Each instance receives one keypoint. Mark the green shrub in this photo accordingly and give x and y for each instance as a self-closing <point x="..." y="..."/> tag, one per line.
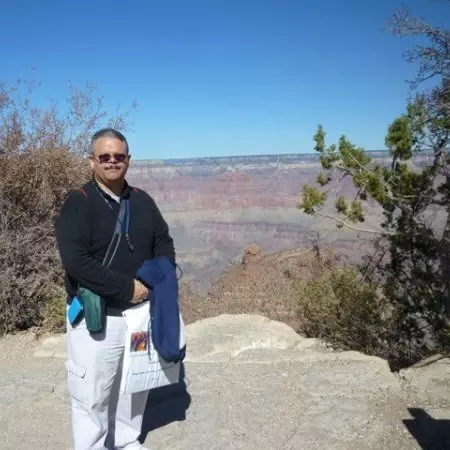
<point x="340" y="308"/>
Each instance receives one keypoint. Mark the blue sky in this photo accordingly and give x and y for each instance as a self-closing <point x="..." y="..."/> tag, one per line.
<point x="221" y="77"/>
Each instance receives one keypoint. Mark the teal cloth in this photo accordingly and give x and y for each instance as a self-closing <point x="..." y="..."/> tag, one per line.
<point x="93" y="308"/>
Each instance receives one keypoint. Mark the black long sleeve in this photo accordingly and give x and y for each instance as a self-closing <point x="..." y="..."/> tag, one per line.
<point x="73" y="233"/>
<point x="163" y="242"/>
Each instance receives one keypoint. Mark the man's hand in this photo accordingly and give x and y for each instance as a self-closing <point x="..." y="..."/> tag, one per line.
<point x="140" y="292"/>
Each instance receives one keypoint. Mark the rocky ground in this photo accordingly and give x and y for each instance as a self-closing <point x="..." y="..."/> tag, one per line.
<point x="251" y="383"/>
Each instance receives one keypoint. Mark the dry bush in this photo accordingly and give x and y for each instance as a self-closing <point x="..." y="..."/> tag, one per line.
<point x="54" y="313"/>
<point x="32" y="187"/>
<point x="41" y="159"/>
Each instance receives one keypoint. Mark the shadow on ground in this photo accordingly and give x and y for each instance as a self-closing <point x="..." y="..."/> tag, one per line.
<point x="431" y="434"/>
<point x="166" y="405"/>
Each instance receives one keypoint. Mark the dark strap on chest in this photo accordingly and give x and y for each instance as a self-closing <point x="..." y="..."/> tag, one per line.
<point x="117" y="234"/>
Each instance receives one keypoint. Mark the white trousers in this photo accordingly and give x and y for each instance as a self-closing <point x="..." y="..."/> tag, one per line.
<point x="101" y="418"/>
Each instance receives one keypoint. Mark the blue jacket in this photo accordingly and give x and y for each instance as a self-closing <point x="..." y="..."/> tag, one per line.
<point x="159" y="274"/>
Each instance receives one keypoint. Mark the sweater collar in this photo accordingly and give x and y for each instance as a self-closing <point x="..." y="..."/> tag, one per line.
<point x="124" y="195"/>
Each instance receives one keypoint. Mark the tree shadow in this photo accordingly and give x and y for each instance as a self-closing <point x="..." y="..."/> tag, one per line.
<point x="166" y="405"/>
<point x="430" y="434"/>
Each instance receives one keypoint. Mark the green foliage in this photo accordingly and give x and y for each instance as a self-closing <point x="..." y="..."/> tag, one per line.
<point x="399" y="139"/>
<point x="341" y="205"/>
<point x="356" y="212"/>
<point x="352" y="157"/>
<point x="328" y="156"/>
<point x="339" y="307"/>
<point x="312" y="199"/>
<point x="323" y="179"/>
<point x="319" y="138"/>
<point x="351" y="161"/>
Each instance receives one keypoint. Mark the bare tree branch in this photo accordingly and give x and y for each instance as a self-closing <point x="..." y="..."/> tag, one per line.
<point x="351" y="227"/>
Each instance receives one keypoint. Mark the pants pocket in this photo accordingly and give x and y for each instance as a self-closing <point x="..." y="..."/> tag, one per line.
<point x="76" y="380"/>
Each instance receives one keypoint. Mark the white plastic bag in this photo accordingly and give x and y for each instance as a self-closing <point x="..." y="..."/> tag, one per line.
<point x="143" y="368"/>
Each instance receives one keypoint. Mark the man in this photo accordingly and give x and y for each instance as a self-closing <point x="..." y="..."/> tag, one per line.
<point x="100" y="417"/>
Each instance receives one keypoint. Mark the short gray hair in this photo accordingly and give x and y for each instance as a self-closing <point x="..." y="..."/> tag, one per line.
<point x="108" y="132"/>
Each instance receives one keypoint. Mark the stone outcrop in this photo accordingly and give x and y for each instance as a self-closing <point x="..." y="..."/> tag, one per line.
<point x="252" y="254"/>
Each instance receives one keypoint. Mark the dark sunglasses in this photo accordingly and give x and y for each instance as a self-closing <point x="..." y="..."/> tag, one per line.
<point x="106" y="158"/>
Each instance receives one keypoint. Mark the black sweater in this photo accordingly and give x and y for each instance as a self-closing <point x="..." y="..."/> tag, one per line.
<point x="84" y="229"/>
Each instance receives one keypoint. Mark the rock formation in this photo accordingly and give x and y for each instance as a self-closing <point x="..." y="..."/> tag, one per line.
<point x="252" y="254"/>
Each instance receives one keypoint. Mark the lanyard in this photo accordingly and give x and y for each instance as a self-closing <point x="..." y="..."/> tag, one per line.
<point x="125" y="225"/>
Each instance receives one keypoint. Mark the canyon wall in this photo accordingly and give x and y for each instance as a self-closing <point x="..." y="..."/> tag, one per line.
<point x="215" y="207"/>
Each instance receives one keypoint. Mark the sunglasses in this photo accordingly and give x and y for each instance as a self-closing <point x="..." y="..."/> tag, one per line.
<point x="106" y="158"/>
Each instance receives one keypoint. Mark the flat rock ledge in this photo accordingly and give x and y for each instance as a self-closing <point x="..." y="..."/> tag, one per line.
<point x="250" y="383"/>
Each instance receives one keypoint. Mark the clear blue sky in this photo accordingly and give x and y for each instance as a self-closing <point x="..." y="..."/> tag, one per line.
<point x="221" y="77"/>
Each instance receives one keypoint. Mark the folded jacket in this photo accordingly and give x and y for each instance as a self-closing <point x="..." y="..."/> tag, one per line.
<point x="159" y="275"/>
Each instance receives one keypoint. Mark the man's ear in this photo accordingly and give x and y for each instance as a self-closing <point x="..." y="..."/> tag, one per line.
<point x="91" y="162"/>
<point x="129" y="158"/>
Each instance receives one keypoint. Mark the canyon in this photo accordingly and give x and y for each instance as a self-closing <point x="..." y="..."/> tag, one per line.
<point x="217" y="206"/>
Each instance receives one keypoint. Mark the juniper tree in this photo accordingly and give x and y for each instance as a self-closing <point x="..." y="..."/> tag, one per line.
<point x="416" y="277"/>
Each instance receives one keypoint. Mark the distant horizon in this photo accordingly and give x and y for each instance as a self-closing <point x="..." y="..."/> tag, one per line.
<point x="240" y="156"/>
<point x="260" y="156"/>
<point x="222" y="154"/>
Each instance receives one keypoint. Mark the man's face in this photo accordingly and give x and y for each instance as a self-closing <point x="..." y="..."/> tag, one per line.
<point x="110" y="160"/>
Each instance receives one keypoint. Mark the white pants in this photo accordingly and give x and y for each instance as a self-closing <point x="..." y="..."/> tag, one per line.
<point x="101" y="419"/>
